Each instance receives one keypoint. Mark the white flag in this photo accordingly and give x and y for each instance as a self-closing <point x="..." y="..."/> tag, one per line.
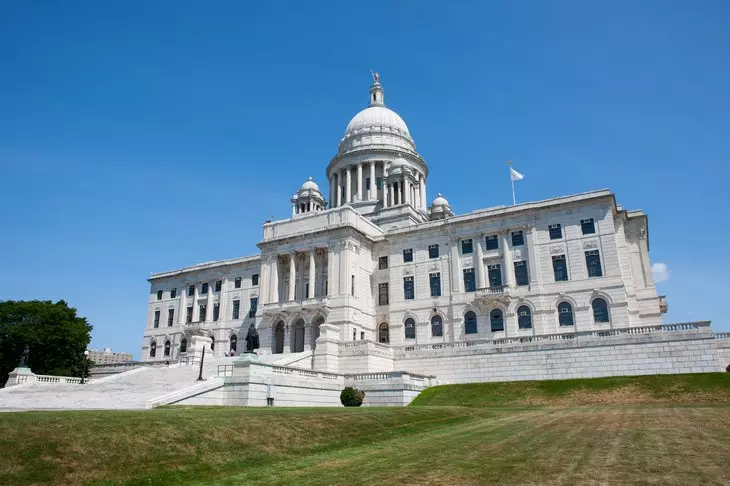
<point x="516" y="176"/>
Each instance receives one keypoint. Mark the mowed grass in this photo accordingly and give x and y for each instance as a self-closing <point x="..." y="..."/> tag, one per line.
<point x="658" y="443"/>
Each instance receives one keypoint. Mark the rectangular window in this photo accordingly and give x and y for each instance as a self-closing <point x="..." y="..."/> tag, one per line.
<point x="408" y="292"/>
<point x="408" y="255"/>
<point x="560" y="268"/>
<point x="367" y="184"/>
<point x="521" y="276"/>
<point x="254" y="307"/>
<point x="556" y="232"/>
<point x="378" y="183"/>
<point x="469" y="282"/>
<point x="236" y="308"/>
<point x="173" y="293"/>
<point x="352" y="285"/>
<point x="466" y="247"/>
<point x="255" y="279"/>
<point x="494" y="273"/>
<point x="204" y="288"/>
<point x="216" y="311"/>
<point x="593" y="262"/>
<point x="218" y="285"/>
<point x="159" y="295"/>
<point x="202" y="316"/>
<point x="383" y="262"/>
<point x="157" y="319"/>
<point x="433" y="251"/>
<point x="518" y="238"/>
<point x="434" y="280"/>
<point x="191" y="291"/>
<point x="383" y="294"/>
<point x="237" y="283"/>
<point x="170" y="317"/>
<point x="587" y="226"/>
<point x="189" y="316"/>
<point x="492" y="242"/>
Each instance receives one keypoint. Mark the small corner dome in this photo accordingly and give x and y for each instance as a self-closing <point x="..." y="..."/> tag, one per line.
<point x="440" y="201"/>
<point x="309" y="185"/>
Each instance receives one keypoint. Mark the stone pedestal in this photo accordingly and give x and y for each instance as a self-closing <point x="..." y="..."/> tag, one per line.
<point x="196" y="346"/>
<point x="19" y="376"/>
<point x="327" y="350"/>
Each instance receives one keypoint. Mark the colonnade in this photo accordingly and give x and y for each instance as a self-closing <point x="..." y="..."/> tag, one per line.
<point x="197" y="299"/>
<point x="296" y="263"/>
<point x="395" y="189"/>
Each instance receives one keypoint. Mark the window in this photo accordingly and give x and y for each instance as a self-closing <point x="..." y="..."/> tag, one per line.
<point x="167" y="349"/>
<point x="434" y="280"/>
<point x="255" y="279"/>
<point x="470" y="323"/>
<point x="378" y="182"/>
<point x="184" y="345"/>
<point x="492" y="242"/>
<point x="383" y="294"/>
<point x="383" y="333"/>
<point x="466" y="247"/>
<point x="157" y="320"/>
<point x="191" y="290"/>
<point x="159" y="295"/>
<point x="437" y="326"/>
<point x="254" y="307"/>
<point x="410" y="327"/>
<point x="383" y="263"/>
<point x="233" y="343"/>
<point x="352" y="285"/>
<point x="237" y="283"/>
<point x="587" y="226"/>
<point x="469" y="282"/>
<point x="173" y="293"/>
<point x="565" y="314"/>
<point x="600" y="310"/>
<point x="170" y="317"/>
<point x="496" y="319"/>
<point x="216" y="311"/>
<point x="189" y="316"/>
<point x="236" y="308"/>
<point x="560" y="268"/>
<point x="153" y="349"/>
<point x="408" y="288"/>
<point x="524" y="317"/>
<point x="218" y="285"/>
<point x="521" y="276"/>
<point x="518" y="238"/>
<point x="204" y="288"/>
<point x="556" y="232"/>
<point x="593" y="262"/>
<point x="433" y="251"/>
<point x="367" y="184"/>
<point x="202" y="316"/>
<point x="212" y="342"/>
<point x="408" y="255"/>
<point x="494" y="272"/>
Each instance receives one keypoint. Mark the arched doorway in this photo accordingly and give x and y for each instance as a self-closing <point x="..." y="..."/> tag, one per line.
<point x="279" y="338"/>
<point x="383" y="333"/>
<point x="318" y="321"/>
<point x="297" y="338"/>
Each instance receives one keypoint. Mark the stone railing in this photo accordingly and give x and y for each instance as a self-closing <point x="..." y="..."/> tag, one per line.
<point x="356" y="348"/>
<point x="284" y="370"/>
<point x="45" y="379"/>
<point x="722" y="335"/>
<point x="496" y="289"/>
<point x="289" y="305"/>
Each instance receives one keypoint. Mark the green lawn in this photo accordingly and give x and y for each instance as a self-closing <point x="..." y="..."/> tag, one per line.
<point x="525" y="444"/>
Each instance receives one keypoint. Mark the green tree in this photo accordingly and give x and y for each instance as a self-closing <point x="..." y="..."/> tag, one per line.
<point x="56" y="337"/>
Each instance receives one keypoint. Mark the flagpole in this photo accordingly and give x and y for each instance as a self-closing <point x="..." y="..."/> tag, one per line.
<point x="514" y="201"/>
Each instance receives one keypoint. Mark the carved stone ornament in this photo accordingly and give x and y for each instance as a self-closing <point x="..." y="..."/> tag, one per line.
<point x="557" y="250"/>
<point x="642" y="232"/>
<point x="590" y="244"/>
<point x="408" y="271"/>
<point x="517" y="253"/>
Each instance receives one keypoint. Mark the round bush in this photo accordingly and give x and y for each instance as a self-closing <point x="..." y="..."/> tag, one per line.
<point x="352" y="397"/>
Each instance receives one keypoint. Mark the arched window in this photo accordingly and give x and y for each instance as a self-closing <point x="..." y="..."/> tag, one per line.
<point x="524" y="317"/>
<point x="410" y="326"/>
<point x="496" y="319"/>
<point x="437" y="326"/>
<point x="167" y="348"/>
<point x="565" y="314"/>
<point x="383" y="333"/>
<point x="279" y="338"/>
<point x="233" y="340"/>
<point x="470" y="323"/>
<point x="212" y="342"/>
<point x="153" y="349"/>
<point x="184" y="345"/>
<point x="600" y="310"/>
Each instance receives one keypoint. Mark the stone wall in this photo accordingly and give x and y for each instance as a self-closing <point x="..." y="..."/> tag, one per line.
<point x="723" y="349"/>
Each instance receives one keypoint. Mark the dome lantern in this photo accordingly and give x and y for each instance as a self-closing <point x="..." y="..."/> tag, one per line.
<point x="307" y="199"/>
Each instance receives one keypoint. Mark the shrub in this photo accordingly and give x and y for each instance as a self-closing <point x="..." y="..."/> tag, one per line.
<point x="352" y="397"/>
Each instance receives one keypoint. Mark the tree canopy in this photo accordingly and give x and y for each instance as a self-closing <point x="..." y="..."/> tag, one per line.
<point x="54" y="334"/>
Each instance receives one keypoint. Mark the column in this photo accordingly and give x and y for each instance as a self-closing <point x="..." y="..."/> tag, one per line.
<point x="332" y="188"/>
<point x="183" y="310"/>
<point x="222" y="299"/>
<point x="406" y="191"/>
<point x="311" y="274"/>
<point x="292" y="275"/>
<point x="330" y="278"/>
<point x="293" y="209"/>
<point x="384" y="185"/>
<point x="479" y="262"/>
<point x="274" y="285"/>
<point x="456" y="276"/>
<point x="209" y="303"/>
<point x="373" y="194"/>
<point x="348" y="186"/>
<point x="424" y="201"/>
<point x="533" y="263"/>
<point x="360" y="196"/>
<point x="196" y="311"/>
<point x="338" y="188"/>
<point x="509" y="268"/>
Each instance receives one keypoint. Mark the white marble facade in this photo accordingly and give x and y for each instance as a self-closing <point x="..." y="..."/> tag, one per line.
<point x="331" y="261"/>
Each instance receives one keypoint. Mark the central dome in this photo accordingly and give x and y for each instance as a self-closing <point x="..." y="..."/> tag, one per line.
<point x="377" y="118"/>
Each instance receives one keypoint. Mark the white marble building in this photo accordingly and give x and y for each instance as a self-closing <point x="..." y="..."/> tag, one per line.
<point x="377" y="264"/>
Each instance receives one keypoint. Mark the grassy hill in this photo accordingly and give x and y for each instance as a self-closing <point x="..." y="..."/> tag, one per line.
<point x="667" y="389"/>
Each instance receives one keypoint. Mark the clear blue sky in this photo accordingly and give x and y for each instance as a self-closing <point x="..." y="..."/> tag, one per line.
<point x="138" y="137"/>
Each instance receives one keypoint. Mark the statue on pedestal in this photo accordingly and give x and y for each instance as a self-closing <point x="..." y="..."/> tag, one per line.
<point x="252" y="339"/>
<point x="24" y="358"/>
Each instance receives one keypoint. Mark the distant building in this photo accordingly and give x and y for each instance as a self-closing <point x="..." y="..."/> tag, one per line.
<point x="107" y="356"/>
